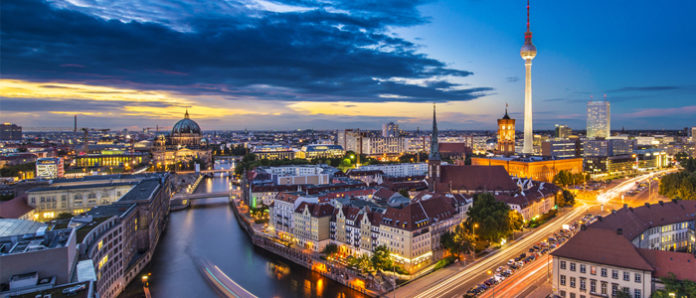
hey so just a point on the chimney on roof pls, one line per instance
(661, 203)
(600, 218)
(647, 205)
(630, 208)
(619, 231)
(625, 206)
(583, 227)
(675, 201)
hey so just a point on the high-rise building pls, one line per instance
(390, 130)
(692, 134)
(528, 52)
(10, 132)
(563, 131)
(506, 135)
(598, 119)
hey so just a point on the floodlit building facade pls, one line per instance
(598, 119)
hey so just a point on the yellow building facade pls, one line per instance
(537, 169)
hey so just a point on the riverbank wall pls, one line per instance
(341, 274)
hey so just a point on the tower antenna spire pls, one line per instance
(528, 15)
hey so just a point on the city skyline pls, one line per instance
(307, 64)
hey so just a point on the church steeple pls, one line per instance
(186, 116)
(434, 159)
(434, 145)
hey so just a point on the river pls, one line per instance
(209, 230)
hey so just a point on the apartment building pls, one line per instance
(628, 251)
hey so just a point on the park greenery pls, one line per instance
(489, 221)
(379, 261)
(495, 219)
(676, 288)
(13, 170)
(680, 185)
(566, 199)
(234, 150)
(462, 240)
(565, 178)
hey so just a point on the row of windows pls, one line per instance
(603, 271)
(593, 287)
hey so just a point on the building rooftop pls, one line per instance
(72, 290)
(39, 240)
(142, 191)
(11, 227)
(80, 186)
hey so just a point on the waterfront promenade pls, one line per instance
(363, 283)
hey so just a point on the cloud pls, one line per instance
(644, 89)
(325, 51)
(512, 79)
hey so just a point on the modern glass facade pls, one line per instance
(598, 119)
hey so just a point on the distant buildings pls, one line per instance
(320, 151)
(536, 167)
(561, 148)
(378, 147)
(75, 196)
(629, 251)
(562, 131)
(598, 119)
(50, 168)
(10, 132)
(390, 130)
(274, 152)
(182, 148)
(506, 135)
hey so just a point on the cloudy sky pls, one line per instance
(267, 64)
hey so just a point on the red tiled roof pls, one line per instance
(634, 221)
(683, 265)
(476, 178)
(603, 247)
(316, 210)
(454, 148)
(15, 208)
(535, 193)
(424, 212)
(384, 193)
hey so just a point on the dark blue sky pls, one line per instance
(335, 64)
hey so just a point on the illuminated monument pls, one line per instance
(528, 52)
(506, 135)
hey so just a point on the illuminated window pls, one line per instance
(100, 244)
(103, 261)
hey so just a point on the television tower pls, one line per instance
(528, 52)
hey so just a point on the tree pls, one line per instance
(680, 288)
(495, 219)
(681, 185)
(404, 192)
(515, 220)
(381, 260)
(565, 199)
(623, 293)
(330, 249)
(565, 178)
(447, 242)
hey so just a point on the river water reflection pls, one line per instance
(210, 230)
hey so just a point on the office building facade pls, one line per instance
(598, 119)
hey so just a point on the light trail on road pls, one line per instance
(449, 287)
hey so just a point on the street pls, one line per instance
(456, 280)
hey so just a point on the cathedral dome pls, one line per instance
(186, 126)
